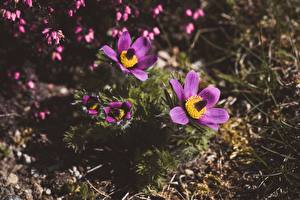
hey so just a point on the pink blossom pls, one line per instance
(198, 13)
(160, 8)
(128, 10)
(80, 3)
(56, 56)
(22, 29)
(18, 13)
(46, 30)
(151, 36)
(90, 36)
(125, 17)
(145, 33)
(70, 13)
(114, 32)
(22, 22)
(31, 84)
(156, 31)
(188, 12)
(78, 29)
(118, 16)
(189, 28)
(17, 75)
(60, 49)
(201, 12)
(13, 16)
(28, 2)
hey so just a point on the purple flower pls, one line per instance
(117, 111)
(198, 106)
(91, 104)
(132, 58)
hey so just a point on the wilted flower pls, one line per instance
(197, 106)
(117, 111)
(132, 58)
(91, 104)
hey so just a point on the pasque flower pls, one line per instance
(117, 111)
(197, 106)
(91, 105)
(131, 57)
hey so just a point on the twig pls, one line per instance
(9, 114)
(95, 168)
(102, 193)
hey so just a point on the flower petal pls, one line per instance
(106, 110)
(177, 88)
(210, 125)
(92, 112)
(211, 95)
(127, 105)
(123, 69)
(141, 46)
(85, 99)
(116, 104)
(215, 116)
(140, 74)
(124, 42)
(191, 84)
(178, 116)
(146, 61)
(128, 115)
(110, 119)
(109, 52)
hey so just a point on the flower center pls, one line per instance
(118, 114)
(195, 107)
(128, 58)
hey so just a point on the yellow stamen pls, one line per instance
(191, 107)
(120, 115)
(128, 63)
(94, 107)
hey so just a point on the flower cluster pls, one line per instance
(114, 111)
(193, 105)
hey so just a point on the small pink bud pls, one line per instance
(128, 10)
(188, 12)
(70, 13)
(13, 16)
(31, 84)
(196, 16)
(160, 8)
(151, 36)
(78, 29)
(145, 33)
(60, 49)
(22, 29)
(118, 16)
(201, 12)
(18, 13)
(125, 17)
(22, 22)
(42, 115)
(17, 75)
(156, 31)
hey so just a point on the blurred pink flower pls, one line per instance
(156, 31)
(118, 16)
(90, 36)
(189, 28)
(188, 12)
(17, 75)
(31, 84)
